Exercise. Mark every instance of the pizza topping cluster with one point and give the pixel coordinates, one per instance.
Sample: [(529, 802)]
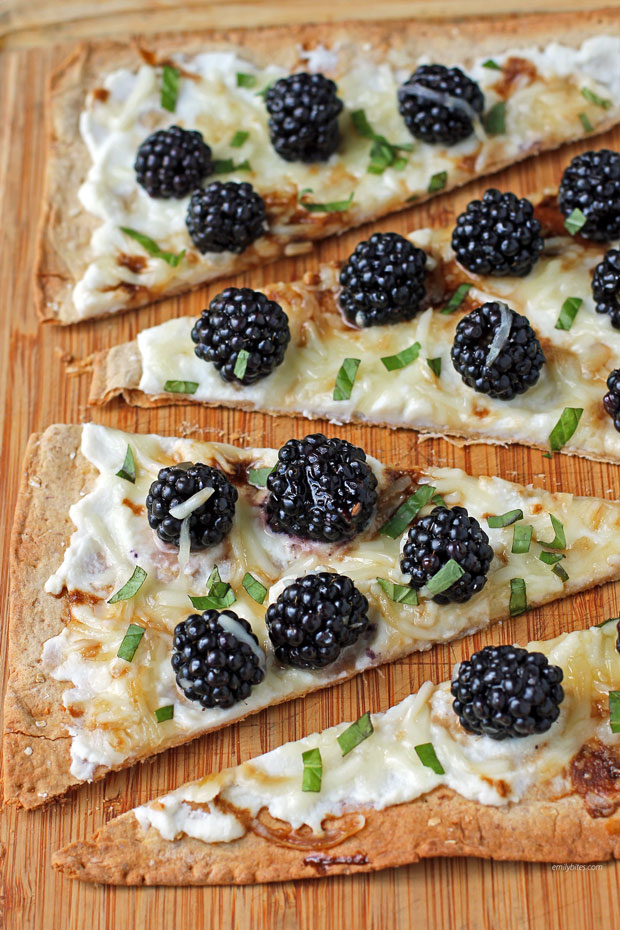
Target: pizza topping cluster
[(225, 217), (173, 162), (303, 117), (606, 286), (440, 105), (590, 194)]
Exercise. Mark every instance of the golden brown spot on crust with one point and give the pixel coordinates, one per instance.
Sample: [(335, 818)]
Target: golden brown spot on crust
[(90, 652), (138, 509), (481, 412), (322, 863), (135, 263), (76, 712), (537, 508), (81, 597), (101, 94), (515, 72), (595, 775), (502, 787)]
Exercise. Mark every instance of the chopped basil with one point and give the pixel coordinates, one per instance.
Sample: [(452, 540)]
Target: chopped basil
[(169, 88), (437, 182), (447, 575), (403, 358), (131, 587), (569, 311), (181, 387), (257, 477), (614, 711), (605, 622), (239, 138), (255, 589), (345, 379), (547, 455), (356, 733), (585, 122), (336, 206), (591, 97), (494, 121), (489, 63), (438, 500), (412, 198), (226, 165), (521, 538), (313, 770), (263, 93), (457, 298), (551, 558), (246, 80), (560, 572), (518, 597), (564, 428), (435, 366), (128, 468), (574, 221), (400, 593), (559, 540), (152, 248), (241, 364), (383, 154), (131, 641), (219, 593), (164, 713), (409, 509), (504, 519), (428, 757)]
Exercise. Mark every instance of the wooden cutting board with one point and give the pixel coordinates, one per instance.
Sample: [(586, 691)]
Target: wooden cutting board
[(37, 388)]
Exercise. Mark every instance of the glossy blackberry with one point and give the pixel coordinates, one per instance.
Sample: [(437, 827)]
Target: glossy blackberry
[(225, 217), (321, 489), (611, 400), (591, 183), (498, 235), (209, 523), (606, 286), (303, 117), (315, 618), (505, 692), (439, 104), (444, 534), (172, 162), (383, 281), (515, 363), (240, 319), (213, 661)]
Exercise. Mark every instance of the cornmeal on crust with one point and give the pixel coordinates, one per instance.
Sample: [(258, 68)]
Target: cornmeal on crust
[(66, 228)]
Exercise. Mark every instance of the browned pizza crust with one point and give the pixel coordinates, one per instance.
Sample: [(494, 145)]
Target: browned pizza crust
[(441, 823), (66, 228)]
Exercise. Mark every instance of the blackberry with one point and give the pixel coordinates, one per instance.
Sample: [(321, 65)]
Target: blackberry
[(444, 534), (498, 235), (439, 104), (225, 217), (320, 489), (209, 523), (606, 286), (315, 618), (303, 117), (506, 692), (240, 319), (172, 162), (500, 371), (213, 660), (383, 281), (591, 183), (611, 400)]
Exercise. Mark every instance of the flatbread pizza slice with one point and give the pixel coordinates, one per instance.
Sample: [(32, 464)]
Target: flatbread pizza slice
[(397, 787), (165, 612), (377, 120), (404, 373)]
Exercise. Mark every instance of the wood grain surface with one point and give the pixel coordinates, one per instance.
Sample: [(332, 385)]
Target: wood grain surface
[(37, 388)]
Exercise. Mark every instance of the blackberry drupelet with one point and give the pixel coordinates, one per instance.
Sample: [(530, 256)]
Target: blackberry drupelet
[(506, 692), (321, 489), (591, 183), (210, 522), (303, 117), (383, 281), (518, 356), (498, 235), (315, 618), (213, 661), (444, 534), (606, 286), (439, 104), (172, 162), (611, 400), (242, 319), (225, 217)]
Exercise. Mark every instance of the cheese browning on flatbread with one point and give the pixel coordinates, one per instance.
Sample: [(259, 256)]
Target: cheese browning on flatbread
[(107, 705), (107, 99), (511, 799)]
